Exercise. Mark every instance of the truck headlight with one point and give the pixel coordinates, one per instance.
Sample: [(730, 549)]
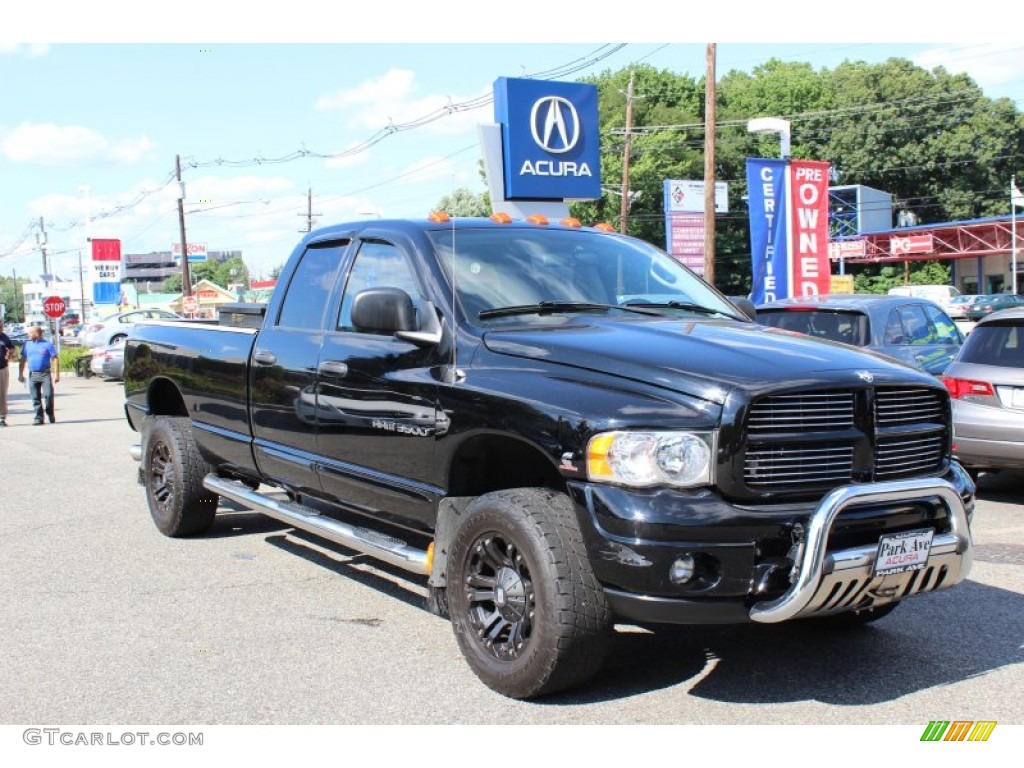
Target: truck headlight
[(642, 459)]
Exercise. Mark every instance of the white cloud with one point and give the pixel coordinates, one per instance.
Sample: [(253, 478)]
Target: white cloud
[(55, 145), (990, 64), (391, 99), (31, 51)]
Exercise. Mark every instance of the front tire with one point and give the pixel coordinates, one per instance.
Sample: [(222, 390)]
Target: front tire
[(528, 613), (172, 473)]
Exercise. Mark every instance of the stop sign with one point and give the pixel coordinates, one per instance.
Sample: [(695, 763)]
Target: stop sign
[(190, 304), (53, 306)]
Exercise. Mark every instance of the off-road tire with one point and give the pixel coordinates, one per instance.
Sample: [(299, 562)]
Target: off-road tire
[(528, 613), (172, 474), (854, 619)]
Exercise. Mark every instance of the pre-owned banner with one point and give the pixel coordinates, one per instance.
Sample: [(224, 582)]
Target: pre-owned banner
[(788, 228), (809, 266), (769, 245), (106, 271)]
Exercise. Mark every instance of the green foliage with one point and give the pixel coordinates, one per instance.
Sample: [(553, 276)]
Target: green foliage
[(463, 202), (11, 296), (879, 278), (67, 356), (214, 271)]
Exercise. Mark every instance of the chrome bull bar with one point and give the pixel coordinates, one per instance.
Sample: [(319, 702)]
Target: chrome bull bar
[(832, 582)]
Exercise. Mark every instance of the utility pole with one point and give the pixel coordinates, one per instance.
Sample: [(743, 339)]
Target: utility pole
[(41, 241), (709, 167), (81, 288), (309, 212), (186, 279), (624, 210)]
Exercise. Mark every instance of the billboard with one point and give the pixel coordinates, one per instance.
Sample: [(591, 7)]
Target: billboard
[(106, 271), (550, 139), (688, 196), (789, 242)]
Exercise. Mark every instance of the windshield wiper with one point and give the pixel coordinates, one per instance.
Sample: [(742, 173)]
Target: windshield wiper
[(691, 307), (548, 307)]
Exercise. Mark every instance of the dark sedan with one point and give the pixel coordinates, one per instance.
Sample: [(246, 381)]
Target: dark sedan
[(986, 305), (914, 331)]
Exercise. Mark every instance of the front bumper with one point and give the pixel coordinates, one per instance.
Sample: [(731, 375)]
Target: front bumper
[(771, 564)]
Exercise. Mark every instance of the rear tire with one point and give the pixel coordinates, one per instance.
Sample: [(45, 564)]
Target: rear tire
[(528, 613), (172, 474)]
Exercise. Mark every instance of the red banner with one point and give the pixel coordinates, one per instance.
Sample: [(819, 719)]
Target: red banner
[(106, 250), (811, 273)]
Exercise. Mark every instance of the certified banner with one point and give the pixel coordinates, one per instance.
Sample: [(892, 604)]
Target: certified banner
[(106, 271), (769, 244)]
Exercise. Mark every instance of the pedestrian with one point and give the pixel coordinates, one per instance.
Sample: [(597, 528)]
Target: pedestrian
[(6, 354), (41, 357)]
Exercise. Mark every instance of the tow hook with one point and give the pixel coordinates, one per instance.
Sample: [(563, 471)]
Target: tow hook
[(796, 552)]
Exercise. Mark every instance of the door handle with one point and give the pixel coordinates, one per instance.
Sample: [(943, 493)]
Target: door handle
[(264, 357), (333, 367)]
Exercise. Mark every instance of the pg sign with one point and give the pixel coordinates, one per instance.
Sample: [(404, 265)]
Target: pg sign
[(550, 139)]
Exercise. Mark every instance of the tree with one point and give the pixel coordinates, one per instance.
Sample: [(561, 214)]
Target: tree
[(463, 202)]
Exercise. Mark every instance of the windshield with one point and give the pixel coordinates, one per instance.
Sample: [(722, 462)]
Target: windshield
[(502, 268)]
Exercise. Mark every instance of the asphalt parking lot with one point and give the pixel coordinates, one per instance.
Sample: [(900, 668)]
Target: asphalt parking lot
[(105, 621)]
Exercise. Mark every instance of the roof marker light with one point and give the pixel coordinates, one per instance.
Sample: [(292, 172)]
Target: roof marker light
[(538, 219), (500, 217), (439, 217), (570, 221), (604, 226)]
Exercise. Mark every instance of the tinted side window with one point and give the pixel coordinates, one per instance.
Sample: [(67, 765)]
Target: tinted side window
[(378, 265), (309, 290), (916, 329)]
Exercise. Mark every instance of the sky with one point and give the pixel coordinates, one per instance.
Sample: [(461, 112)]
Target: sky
[(374, 111)]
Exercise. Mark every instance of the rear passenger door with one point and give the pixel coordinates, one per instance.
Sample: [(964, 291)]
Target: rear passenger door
[(283, 370)]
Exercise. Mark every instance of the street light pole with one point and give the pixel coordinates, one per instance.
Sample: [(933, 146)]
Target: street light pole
[(777, 125)]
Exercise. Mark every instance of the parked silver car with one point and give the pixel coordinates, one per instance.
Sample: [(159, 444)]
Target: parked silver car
[(119, 325), (986, 381), (108, 361)]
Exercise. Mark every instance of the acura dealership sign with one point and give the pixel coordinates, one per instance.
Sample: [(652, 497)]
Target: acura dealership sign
[(550, 139)]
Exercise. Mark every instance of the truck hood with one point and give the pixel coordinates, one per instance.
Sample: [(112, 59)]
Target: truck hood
[(703, 358)]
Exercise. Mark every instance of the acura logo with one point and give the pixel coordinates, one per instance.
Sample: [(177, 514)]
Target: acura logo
[(866, 376), (555, 125)]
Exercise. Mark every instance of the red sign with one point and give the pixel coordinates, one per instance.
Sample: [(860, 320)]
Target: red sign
[(53, 306), (809, 218), (686, 240), (911, 244), (190, 304)]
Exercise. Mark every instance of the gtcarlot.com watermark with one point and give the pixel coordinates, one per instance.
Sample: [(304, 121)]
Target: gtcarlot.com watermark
[(58, 736)]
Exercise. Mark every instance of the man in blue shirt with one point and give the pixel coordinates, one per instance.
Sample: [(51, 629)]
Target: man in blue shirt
[(41, 358)]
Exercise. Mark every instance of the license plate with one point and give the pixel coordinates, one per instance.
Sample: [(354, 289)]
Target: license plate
[(899, 552)]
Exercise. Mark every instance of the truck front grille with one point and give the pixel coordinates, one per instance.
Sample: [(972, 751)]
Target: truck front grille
[(821, 439)]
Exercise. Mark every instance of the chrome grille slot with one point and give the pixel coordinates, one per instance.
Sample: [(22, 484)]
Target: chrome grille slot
[(908, 406), (904, 457), (796, 466), (804, 412)]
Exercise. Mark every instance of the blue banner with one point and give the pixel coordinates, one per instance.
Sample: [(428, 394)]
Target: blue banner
[(769, 244), (106, 293)]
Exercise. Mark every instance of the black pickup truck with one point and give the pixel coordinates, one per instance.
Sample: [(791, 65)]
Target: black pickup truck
[(559, 427)]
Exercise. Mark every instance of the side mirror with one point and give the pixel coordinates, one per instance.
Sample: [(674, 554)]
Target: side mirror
[(383, 310), (746, 306)]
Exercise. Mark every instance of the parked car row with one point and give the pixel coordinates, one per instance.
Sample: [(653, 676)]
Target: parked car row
[(118, 326)]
